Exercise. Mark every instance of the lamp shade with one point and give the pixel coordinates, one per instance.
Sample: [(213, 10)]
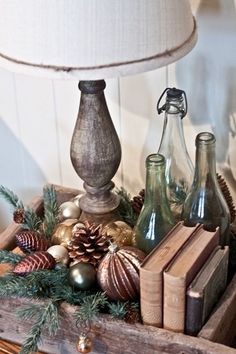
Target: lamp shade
[(91, 39)]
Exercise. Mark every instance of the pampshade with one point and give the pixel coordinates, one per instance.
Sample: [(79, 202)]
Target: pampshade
[(93, 39)]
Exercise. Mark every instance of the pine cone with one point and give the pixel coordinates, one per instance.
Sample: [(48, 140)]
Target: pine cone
[(31, 241), (226, 193), (19, 215), (35, 261), (137, 202), (133, 315), (87, 244)]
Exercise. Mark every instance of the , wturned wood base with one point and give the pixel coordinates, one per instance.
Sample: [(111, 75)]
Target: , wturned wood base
[(111, 336), (95, 149)]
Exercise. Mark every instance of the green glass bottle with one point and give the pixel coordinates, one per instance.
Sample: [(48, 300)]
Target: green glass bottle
[(179, 167), (156, 218), (205, 202)]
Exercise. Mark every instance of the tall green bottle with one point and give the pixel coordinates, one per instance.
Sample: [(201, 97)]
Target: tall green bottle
[(156, 218), (179, 167)]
